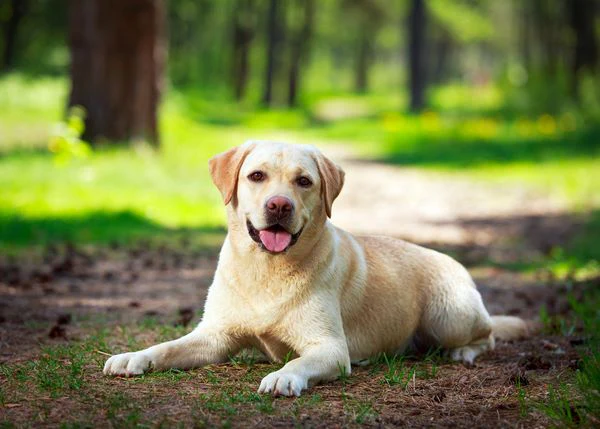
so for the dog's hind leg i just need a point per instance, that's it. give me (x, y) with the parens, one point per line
(457, 320)
(467, 354)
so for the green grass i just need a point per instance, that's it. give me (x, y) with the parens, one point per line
(559, 155)
(226, 402)
(575, 403)
(58, 370)
(125, 194)
(361, 411)
(401, 369)
(28, 109)
(116, 194)
(588, 376)
(226, 393)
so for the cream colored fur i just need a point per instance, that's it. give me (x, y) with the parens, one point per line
(330, 299)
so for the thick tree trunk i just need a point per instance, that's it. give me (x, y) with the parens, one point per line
(416, 55)
(117, 61)
(243, 34)
(583, 14)
(299, 52)
(18, 9)
(273, 39)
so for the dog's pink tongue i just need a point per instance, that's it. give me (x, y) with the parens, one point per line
(275, 241)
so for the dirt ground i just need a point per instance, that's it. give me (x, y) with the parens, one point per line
(64, 294)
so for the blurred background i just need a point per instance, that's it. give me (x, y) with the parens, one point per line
(110, 109)
(468, 126)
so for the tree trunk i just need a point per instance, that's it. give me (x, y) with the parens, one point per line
(117, 60)
(526, 24)
(273, 37)
(443, 52)
(18, 8)
(583, 14)
(243, 34)
(544, 14)
(363, 60)
(299, 52)
(416, 55)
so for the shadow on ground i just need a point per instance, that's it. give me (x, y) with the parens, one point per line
(453, 150)
(523, 243)
(63, 311)
(99, 228)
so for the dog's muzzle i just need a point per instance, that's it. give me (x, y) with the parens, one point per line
(273, 239)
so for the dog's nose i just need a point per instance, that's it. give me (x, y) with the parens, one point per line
(279, 207)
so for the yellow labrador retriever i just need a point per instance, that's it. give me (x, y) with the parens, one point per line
(289, 280)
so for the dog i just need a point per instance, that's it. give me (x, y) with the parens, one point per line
(290, 283)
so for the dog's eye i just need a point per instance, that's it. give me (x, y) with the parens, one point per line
(257, 176)
(303, 182)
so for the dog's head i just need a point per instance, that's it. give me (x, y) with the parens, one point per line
(277, 191)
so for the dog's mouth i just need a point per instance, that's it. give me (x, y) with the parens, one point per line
(273, 239)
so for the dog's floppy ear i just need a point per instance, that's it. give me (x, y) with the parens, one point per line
(225, 169)
(332, 180)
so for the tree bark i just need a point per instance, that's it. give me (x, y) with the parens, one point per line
(583, 14)
(299, 52)
(416, 55)
(117, 61)
(18, 10)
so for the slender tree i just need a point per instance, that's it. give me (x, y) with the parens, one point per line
(274, 36)
(299, 50)
(367, 16)
(18, 9)
(117, 60)
(442, 49)
(526, 23)
(416, 54)
(582, 18)
(363, 60)
(243, 35)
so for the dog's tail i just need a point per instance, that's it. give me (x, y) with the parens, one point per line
(513, 328)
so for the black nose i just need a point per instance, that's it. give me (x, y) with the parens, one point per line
(279, 207)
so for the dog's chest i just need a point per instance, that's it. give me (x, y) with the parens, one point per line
(262, 311)
(263, 323)
(273, 348)
(263, 295)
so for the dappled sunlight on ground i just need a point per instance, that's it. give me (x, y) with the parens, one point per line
(116, 252)
(425, 206)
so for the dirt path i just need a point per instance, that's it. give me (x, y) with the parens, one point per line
(428, 207)
(66, 294)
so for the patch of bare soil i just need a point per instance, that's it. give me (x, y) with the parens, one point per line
(65, 294)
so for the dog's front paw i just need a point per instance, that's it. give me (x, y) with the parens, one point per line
(283, 383)
(128, 364)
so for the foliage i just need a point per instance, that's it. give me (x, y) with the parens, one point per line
(471, 41)
(465, 22)
(126, 193)
(66, 142)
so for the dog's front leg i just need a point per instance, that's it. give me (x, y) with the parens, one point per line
(200, 347)
(323, 361)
